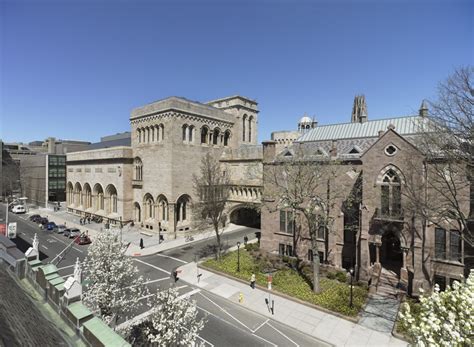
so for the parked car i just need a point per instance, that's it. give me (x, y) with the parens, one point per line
(74, 233)
(19, 209)
(33, 217)
(50, 226)
(42, 222)
(59, 229)
(83, 240)
(71, 232)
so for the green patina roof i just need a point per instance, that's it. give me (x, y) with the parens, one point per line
(35, 262)
(51, 276)
(59, 286)
(403, 126)
(56, 281)
(104, 333)
(78, 310)
(49, 269)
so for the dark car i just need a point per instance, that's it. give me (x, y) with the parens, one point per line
(59, 229)
(34, 217)
(42, 222)
(51, 226)
(67, 232)
(83, 240)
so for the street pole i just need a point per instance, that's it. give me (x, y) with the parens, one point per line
(238, 256)
(6, 218)
(121, 227)
(352, 276)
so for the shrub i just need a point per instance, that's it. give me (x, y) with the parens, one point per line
(341, 276)
(252, 247)
(331, 275)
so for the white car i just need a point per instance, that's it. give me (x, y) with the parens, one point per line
(19, 209)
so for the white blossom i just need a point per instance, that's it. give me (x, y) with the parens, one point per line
(112, 281)
(445, 318)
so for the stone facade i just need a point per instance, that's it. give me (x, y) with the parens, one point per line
(383, 235)
(169, 138)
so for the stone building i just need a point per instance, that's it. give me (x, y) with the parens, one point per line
(371, 160)
(150, 182)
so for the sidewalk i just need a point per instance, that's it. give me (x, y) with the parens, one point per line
(311, 321)
(130, 234)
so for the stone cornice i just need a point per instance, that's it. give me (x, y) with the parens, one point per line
(182, 114)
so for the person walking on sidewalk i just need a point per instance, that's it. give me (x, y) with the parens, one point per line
(252, 281)
(141, 244)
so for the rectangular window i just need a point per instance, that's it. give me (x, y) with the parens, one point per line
(321, 257)
(385, 201)
(441, 282)
(310, 255)
(53, 160)
(282, 221)
(321, 233)
(289, 250)
(455, 246)
(349, 235)
(61, 161)
(397, 201)
(440, 243)
(281, 249)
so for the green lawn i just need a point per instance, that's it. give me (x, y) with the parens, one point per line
(334, 295)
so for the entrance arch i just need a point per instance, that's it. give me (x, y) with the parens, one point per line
(391, 256)
(245, 216)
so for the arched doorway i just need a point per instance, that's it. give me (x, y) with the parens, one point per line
(245, 216)
(391, 256)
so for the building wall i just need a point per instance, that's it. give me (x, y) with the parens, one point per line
(33, 173)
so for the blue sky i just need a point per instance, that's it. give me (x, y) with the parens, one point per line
(75, 69)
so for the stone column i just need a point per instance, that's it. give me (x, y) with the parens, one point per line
(172, 220)
(403, 270)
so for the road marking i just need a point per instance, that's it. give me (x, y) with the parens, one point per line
(158, 280)
(181, 287)
(283, 335)
(223, 310)
(188, 294)
(167, 256)
(234, 326)
(66, 267)
(261, 325)
(67, 244)
(153, 266)
(44, 246)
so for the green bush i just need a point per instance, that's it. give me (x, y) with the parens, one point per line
(252, 247)
(334, 295)
(331, 275)
(341, 276)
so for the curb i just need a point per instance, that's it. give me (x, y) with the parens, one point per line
(285, 296)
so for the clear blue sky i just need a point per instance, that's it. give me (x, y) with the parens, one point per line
(75, 69)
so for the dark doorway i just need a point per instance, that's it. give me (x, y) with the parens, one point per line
(246, 216)
(391, 256)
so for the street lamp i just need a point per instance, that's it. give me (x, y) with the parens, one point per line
(238, 256)
(352, 276)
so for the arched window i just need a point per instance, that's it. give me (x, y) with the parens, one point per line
(244, 120)
(139, 135)
(162, 128)
(204, 134)
(185, 133)
(215, 136)
(138, 169)
(250, 128)
(78, 194)
(137, 212)
(152, 134)
(226, 138)
(111, 197)
(391, 194)
(149, 205)
(70, 194)
(162, 208)
(182, 208)
(87, 196)
(98, 197)
(191, 130)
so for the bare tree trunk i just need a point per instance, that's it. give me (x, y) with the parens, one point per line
(316, 276)
(218, 239)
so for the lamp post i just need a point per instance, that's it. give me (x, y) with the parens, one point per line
(352, 276)
(238, 256)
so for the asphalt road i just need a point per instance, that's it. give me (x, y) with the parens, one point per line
(227, 324)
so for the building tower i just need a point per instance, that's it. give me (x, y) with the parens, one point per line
(306, 123)
(359, 110)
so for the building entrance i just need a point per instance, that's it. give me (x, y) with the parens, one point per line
(245, 216)
(391, 256)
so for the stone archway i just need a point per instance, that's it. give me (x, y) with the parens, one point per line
(245, 216)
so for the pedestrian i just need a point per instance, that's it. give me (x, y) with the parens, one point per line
(246, 239)
(89, 220)
(141, 244)
(252, 281)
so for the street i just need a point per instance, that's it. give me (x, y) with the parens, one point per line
(228, 324)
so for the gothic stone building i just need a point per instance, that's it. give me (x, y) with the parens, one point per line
(381, 232)
(151, 181)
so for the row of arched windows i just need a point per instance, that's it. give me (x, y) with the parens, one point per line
(158, 210)
(83, 197)
(150, 134)
(247, 127)
(215, 136)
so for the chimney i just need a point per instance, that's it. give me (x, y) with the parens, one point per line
(269, 151)
(381, 132)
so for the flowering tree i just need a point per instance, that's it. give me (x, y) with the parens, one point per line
(173, 322)
(113, 284)
(445, 318)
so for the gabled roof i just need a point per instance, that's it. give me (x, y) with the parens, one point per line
(403, 126)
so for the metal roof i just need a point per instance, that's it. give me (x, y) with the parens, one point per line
(403, 126)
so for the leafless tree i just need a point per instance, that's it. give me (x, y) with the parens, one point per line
(212, 188)
(440, 189)
(304, 184)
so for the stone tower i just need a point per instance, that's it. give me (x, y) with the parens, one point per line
(359, 110)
